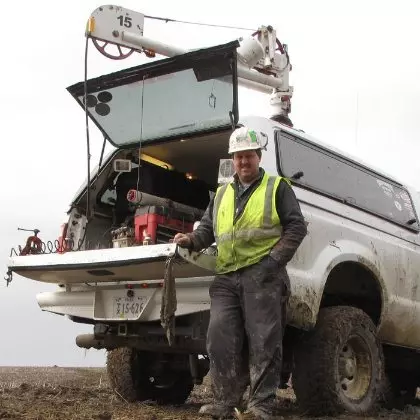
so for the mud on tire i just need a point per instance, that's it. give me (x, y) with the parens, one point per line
(129, 376)
(122, 367)
(339, 366)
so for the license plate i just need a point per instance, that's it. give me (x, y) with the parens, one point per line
(129, 307)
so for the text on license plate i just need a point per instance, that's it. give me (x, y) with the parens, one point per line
(129, 307)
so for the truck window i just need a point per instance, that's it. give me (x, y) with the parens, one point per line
(344, 180)
(168, 98)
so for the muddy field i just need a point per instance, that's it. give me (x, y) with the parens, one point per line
(80, 393)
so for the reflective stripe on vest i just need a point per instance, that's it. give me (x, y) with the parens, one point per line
(255, 232)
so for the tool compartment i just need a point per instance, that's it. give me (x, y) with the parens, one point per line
(160, 224)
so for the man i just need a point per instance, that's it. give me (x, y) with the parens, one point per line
(257, 224)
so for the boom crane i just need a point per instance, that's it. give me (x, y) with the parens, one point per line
(263, 61)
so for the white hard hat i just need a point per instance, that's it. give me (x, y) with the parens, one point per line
(244, 139)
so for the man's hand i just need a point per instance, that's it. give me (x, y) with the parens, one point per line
(183, 240)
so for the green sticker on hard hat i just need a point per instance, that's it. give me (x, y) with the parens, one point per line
(253, 136)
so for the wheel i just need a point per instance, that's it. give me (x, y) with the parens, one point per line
(121, 55)
(139, 375)
(399, 389)
(123, 365)
(339, 366)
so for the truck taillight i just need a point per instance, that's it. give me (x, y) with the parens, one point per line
(62, 243)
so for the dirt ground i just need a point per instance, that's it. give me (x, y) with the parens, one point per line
(39, 393)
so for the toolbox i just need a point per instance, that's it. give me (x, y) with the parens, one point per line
(159, 224)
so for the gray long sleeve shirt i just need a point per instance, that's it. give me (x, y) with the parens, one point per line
(288, 210)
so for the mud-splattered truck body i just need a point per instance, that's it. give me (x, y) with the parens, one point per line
(353, 315)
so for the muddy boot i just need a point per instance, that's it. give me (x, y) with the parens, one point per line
(217, 411)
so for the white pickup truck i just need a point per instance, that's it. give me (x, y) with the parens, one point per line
(354, 312)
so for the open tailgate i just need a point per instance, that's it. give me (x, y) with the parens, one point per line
(112, 265)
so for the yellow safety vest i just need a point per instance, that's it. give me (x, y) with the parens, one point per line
(256, 231)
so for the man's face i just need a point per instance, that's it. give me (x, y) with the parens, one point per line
(246, 165)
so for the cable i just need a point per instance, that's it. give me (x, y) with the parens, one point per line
(87, 145)
(87, 130)
(102, 155)
(197, 23)
(141, 132)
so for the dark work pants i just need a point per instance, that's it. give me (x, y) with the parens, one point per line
(244, 339)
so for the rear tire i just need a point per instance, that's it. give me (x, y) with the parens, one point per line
(131, 378)
(339, 365)
(123, 367)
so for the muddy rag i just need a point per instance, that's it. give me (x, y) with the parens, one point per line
(168, 305)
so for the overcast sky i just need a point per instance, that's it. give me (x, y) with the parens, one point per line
(355, 71)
